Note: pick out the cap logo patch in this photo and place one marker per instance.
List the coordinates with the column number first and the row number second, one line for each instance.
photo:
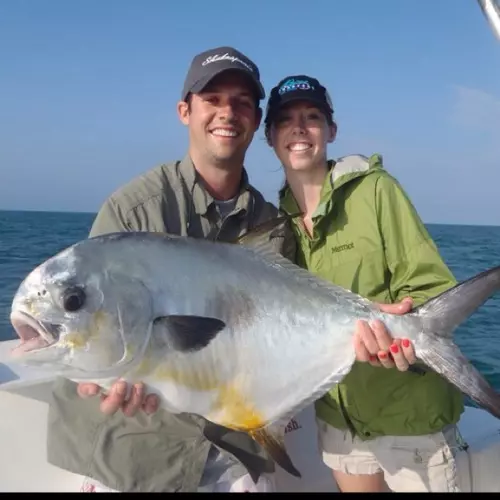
column 293, row 84
column 226, row 57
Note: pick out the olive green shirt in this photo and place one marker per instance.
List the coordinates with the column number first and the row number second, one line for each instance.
column 161, row 452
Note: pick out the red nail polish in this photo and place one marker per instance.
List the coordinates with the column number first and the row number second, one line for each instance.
column 406, row 343
column 382, row 355
column 373, row 358
column 394, row 348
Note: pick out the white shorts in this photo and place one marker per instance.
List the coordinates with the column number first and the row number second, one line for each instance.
column 409, row 463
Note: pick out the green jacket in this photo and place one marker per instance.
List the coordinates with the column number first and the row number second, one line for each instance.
column 368, row 238
column 163, row 452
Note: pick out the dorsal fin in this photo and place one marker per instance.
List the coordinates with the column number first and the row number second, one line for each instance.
column 259, row 238
column 259, row 242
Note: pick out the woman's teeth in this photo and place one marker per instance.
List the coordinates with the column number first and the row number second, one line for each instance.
column 299, row 146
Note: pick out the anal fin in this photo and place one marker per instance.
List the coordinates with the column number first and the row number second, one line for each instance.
column 272, row 439
column 255, row 459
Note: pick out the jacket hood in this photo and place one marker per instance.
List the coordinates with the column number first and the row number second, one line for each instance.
column 342, row 171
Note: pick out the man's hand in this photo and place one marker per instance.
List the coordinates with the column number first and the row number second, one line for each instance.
column 374, row 344
column 116, row 398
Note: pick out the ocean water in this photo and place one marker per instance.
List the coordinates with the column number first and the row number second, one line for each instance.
column 28, row 238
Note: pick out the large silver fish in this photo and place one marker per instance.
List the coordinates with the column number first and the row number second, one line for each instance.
column 238, row 335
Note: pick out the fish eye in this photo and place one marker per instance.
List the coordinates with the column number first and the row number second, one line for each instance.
column 73, row 299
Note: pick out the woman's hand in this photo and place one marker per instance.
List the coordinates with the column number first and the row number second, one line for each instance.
column 374, row 344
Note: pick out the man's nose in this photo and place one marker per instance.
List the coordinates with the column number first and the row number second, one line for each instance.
column 229, row 109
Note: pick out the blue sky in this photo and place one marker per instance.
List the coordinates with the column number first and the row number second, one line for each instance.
column 88, row 90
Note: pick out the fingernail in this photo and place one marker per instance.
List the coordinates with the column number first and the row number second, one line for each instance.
column 394, row 348
column 382, row 355
column 373, row 358
column 406, row 343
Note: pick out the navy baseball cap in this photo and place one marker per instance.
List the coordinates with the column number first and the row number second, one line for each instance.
column 295, row 88
column 207, row 65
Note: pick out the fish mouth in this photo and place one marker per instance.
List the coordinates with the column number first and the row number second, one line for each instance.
column 34, row 334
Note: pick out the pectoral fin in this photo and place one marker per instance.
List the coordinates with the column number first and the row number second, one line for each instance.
column 272, row 439
column 190, row 333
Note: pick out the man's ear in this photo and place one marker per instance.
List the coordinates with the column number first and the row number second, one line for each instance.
column 183, row 112
column 258, row 118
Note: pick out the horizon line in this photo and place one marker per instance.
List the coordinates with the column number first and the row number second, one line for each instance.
column 83, row 212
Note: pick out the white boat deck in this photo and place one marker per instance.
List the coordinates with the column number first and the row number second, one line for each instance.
column 24, row 395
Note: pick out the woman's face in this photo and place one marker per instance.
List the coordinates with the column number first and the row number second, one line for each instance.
column 299, row 136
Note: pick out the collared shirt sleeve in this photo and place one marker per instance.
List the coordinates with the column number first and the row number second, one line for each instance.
column 110, row 219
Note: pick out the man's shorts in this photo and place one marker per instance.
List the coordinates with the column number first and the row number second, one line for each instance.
column 222, row 473
column 409, row 463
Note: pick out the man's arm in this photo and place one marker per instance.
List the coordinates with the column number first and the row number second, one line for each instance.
column 110, row 219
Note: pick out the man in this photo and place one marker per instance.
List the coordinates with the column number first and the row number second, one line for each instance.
column 206, row 195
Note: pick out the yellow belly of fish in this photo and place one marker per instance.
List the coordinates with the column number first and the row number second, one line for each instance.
column 232, row 410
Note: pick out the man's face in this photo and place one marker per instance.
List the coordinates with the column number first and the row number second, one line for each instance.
column 222, row 119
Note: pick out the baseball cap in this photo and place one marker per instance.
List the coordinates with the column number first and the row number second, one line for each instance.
column 205, row 66
column 298, row 87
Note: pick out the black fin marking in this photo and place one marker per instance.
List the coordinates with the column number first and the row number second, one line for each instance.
column 191, row 333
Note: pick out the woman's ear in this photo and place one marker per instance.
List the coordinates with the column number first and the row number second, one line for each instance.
column 268, row 137
column 333, row 132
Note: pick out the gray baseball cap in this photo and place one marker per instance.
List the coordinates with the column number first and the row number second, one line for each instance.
column 205, row 66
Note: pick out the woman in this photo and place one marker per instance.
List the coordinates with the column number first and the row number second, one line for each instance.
column 359, row 230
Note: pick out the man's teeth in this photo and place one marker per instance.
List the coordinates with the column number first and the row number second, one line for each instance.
column 301, row 146
column 224, row 132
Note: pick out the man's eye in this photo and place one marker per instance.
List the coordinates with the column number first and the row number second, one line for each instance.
column 212, row 99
